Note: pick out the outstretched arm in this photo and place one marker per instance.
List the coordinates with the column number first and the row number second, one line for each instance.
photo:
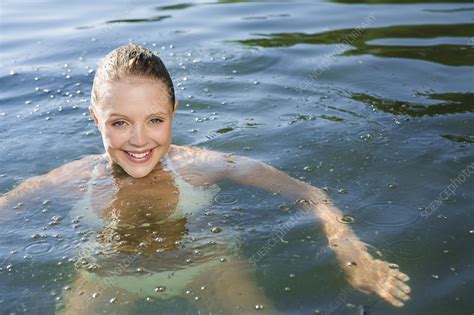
column 364, row 272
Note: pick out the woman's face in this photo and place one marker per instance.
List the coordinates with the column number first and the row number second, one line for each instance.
column 135, row 118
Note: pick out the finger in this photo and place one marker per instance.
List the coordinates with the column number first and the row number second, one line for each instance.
column 401, row 285
column 390, row 298
column 399, row 275
column 396, row 292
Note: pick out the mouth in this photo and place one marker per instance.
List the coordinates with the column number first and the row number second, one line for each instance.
column 139, row 157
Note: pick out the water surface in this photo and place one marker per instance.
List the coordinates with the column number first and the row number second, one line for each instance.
column 372, row 100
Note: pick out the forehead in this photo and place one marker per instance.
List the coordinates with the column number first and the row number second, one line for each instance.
column 135, row 95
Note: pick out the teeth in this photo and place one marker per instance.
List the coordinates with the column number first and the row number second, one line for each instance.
column 139, row 156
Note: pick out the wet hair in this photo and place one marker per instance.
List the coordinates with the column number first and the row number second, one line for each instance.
column 130, row 61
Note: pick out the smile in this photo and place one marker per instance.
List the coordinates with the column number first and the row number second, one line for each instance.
column 139, row 157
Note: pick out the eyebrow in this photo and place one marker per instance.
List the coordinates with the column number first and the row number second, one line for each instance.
column 151, row 115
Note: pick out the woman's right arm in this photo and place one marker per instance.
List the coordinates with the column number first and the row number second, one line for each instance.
column 53, row 179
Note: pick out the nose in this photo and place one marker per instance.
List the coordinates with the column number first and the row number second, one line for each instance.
column 138, row 137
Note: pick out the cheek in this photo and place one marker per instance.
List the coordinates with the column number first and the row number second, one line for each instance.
column 114, row 139
column 162, row 135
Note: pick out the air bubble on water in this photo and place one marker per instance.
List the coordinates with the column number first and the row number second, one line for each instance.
column 160, row 289
column 346, row 219
column 12, row 72
column 393, row 266
column 113, row 300
column 259, row 307
column 216, row 229
column 435, row 276
column 292, row 275
column 351, row 264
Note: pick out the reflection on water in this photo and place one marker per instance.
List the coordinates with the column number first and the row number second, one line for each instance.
column 400, row 1
column 461, row 139
column 447, row 103
column 152, row 19
column 441, row 53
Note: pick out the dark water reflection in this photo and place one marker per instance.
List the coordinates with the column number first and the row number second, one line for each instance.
column 438, row 53
column 447, row 103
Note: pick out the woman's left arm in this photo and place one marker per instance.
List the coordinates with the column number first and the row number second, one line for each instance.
column 364, row 272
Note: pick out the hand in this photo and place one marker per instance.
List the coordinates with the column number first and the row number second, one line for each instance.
column 371, row 275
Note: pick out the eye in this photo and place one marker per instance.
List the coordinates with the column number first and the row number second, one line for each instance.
column 118, row 123
column 156, row 121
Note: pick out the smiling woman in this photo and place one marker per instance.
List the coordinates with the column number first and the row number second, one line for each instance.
column 144, row 179
column 135, row 121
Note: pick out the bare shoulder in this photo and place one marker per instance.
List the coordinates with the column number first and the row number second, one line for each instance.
column 193, row 156
column 76, row 169
column 208, row 165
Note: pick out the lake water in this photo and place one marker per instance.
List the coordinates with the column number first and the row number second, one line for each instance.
column 372, row 100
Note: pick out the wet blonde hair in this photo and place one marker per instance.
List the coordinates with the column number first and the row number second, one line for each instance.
column 130, row 61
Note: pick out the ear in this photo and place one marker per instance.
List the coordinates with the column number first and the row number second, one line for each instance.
column 94, row 116
column 176, row 105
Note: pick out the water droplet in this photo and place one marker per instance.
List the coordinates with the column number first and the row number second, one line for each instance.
column 342, row 191
column 287, row 289
column 346, row 219
column 351, row 264
column 226, row 199
column 392, row 186
column 216, row 229
column 160, row 289
column 113, row 300
column 95, row 294
column 223, row 259
column 259, row 306
column 203, row 287
column 307, row 169
column 292, row 275
column 435, row 276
